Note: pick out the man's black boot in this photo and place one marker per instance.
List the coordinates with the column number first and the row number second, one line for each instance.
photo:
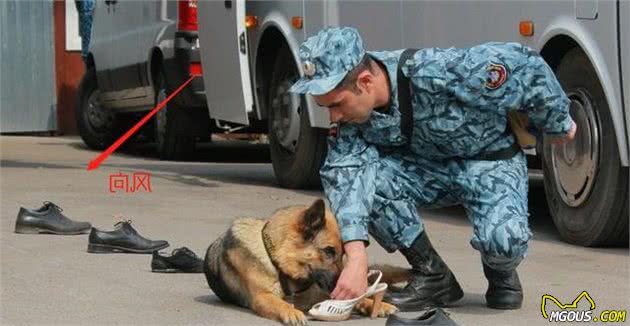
column 431, row 283
column 504, row 289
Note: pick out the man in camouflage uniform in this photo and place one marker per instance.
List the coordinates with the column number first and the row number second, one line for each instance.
column 460, row 151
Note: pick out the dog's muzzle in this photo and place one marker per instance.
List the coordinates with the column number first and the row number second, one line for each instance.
column 326, row 280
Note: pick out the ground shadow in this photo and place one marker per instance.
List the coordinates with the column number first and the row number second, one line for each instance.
column 35, row 165
column 222, row 154
column 213, row 300
column 473, row 304
column 221, row 151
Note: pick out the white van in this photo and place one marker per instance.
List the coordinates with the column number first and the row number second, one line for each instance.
column 140, row 51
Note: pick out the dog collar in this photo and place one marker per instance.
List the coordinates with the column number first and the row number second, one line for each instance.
column 269, row 247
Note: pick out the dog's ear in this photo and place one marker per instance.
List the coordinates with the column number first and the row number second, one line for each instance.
column 314, row 220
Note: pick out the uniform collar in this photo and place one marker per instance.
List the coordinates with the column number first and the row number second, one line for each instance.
column 383, row 127
column 389, row 60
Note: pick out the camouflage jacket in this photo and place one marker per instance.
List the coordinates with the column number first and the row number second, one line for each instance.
column 460, row 100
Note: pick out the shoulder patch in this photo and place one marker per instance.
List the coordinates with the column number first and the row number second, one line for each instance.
column 497, row 75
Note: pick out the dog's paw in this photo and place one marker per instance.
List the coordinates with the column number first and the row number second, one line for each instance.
column 365, row 308
column 387, row 309
column 293, row 317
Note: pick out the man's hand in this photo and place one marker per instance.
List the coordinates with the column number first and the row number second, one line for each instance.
column 568, row 137
column 353, row 279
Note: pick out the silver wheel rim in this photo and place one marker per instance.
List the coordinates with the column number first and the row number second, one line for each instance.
column 575, row 164
column 98, row 116
column 285, row 115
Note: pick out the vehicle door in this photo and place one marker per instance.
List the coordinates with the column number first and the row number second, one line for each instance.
column 224, row 58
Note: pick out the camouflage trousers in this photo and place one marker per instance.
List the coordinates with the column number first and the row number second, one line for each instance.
column 494, row 194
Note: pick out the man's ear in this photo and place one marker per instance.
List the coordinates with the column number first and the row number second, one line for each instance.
column 313, row 220
column 365, row 81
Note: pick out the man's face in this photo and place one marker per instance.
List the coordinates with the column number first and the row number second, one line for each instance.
column 345, row 106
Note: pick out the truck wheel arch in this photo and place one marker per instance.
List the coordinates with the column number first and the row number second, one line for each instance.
column 269, row 45
column 557, row 41
column 155, row 64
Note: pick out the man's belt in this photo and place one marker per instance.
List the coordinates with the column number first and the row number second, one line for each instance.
column 502, row 154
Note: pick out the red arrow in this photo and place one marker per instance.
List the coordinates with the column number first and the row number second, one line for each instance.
column 94, row 164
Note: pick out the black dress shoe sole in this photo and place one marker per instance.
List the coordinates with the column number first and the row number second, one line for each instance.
column 442, row 298
column 109, row 249
column 36, row 230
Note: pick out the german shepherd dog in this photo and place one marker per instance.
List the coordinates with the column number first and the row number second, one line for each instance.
column 295, row 254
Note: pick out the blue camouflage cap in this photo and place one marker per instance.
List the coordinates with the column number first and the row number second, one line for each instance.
column 326, row 59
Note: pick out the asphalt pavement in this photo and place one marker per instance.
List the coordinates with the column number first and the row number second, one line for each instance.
column 48, row 279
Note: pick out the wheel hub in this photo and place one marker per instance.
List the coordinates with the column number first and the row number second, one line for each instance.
column 575, row 164
column 285, row 123
column 98, row 116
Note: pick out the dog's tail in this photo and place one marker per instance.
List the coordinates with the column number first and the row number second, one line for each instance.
column 392, row 274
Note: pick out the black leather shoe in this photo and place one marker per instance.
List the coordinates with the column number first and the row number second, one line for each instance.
column 431, row 283
column 181, row 260
column 434, row 317
column 48, row 219
column 504, row 289
column 123, row 239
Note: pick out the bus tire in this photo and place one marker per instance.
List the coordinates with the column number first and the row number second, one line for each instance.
column 297, row 149
column 585, row 185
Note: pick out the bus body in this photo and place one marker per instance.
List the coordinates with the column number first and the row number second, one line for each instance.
column 586, row 42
